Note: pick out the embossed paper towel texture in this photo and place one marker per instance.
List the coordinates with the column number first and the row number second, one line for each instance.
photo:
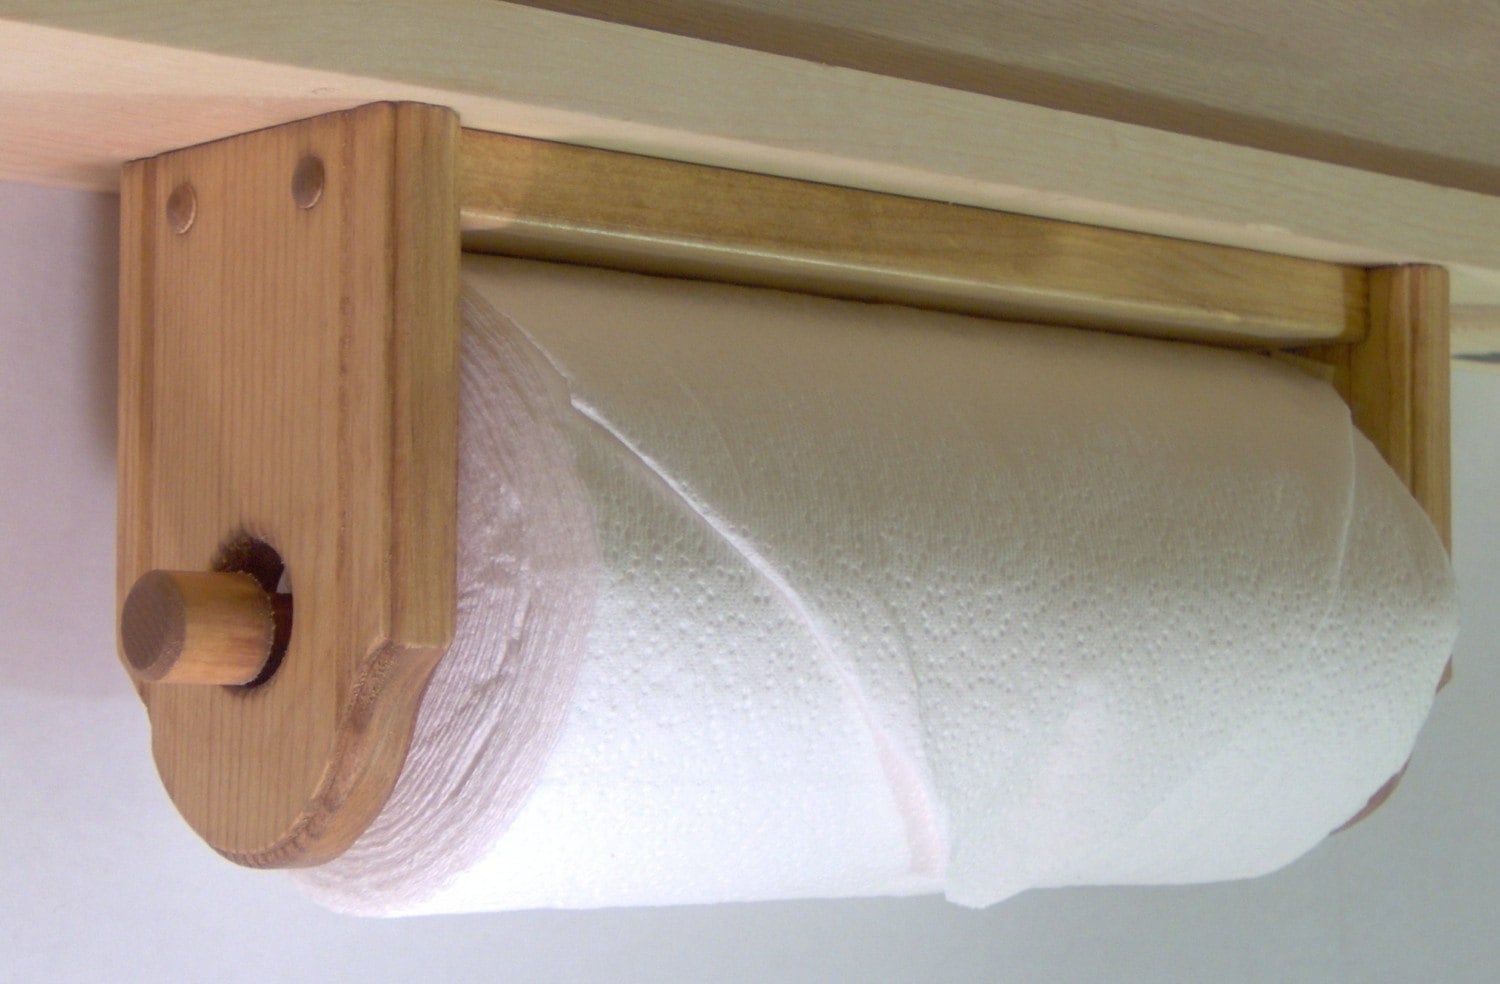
column 768, row 596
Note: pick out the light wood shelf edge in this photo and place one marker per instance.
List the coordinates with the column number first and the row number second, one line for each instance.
column 85, row 85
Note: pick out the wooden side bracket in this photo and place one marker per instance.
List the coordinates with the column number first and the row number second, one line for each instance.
column 1395, row 381
column 288, row 410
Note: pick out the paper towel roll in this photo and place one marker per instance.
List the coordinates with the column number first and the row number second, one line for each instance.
column 768, row 596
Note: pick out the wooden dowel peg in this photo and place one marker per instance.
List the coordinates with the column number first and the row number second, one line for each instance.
column 198, row 628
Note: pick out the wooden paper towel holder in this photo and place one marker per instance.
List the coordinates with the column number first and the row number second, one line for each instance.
column 288, row 400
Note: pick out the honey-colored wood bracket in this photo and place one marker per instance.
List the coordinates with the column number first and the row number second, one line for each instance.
column 1395, row 380
column 288, row 406
column 288, row 409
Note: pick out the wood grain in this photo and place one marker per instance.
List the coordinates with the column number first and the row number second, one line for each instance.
column 1399, row 383
column 1396, row 382
column 197, row 627
column 287, row 376
column 85, row 85
column 1394, row 84
column 553, row 201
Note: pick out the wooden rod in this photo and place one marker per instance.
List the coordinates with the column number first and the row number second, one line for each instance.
column 1399, row 382
column 199, row 628
column 533, row 198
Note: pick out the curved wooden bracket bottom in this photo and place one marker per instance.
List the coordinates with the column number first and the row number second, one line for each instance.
column 289, row 325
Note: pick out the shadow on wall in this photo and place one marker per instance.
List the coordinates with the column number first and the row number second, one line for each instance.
column 59, row 256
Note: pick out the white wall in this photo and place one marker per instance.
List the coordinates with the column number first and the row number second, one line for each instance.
column 99, row 880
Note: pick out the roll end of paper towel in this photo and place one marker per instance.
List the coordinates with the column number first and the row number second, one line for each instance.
column 768, row 596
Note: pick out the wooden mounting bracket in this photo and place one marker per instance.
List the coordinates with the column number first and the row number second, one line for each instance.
column 1395, row 380
column 316, row 261
column 288, row 400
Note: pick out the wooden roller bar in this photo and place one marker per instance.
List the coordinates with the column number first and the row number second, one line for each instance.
column 288, row 400
column 551, row 201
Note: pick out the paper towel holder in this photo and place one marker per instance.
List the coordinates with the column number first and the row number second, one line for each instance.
column 288, row 354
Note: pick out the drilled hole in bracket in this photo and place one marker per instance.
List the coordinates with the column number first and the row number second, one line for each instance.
column 244, row 554
column 307, row 181
column 182, row 208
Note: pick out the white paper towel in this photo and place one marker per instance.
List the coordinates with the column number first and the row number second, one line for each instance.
column 768, row 596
